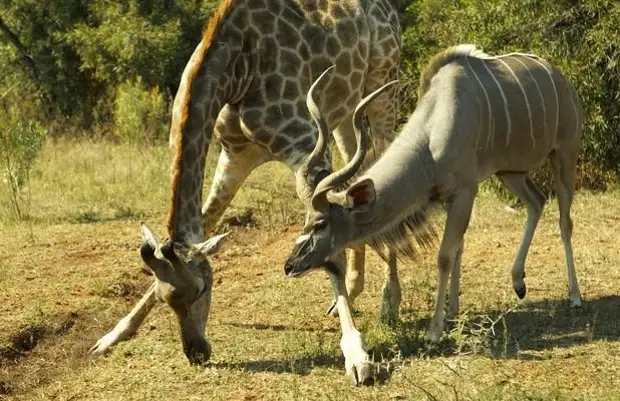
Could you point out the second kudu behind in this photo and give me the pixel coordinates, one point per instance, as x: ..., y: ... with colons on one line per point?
x: 477, y: 116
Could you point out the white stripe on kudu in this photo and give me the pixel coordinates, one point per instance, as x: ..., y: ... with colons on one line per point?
x: 572, y: 100
x: 514, y: 54
x: 555, y: 90
x: 508, y: 121
x: 542, y: 98
x: 527, y: 101
x: 486, y: 95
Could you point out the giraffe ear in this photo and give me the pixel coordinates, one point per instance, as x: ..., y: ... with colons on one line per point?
x: 210, y: 246
x: 149, y: 236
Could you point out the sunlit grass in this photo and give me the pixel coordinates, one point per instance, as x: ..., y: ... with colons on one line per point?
x: 72, y: 270
x: 84, y: 181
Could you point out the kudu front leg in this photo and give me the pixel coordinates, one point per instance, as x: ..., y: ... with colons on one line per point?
x: 357, y: 363
x: 356, y: 269
x: 391, y: 293
x: 127, y: 326
x: 455, y: 286
x: 459, y: 212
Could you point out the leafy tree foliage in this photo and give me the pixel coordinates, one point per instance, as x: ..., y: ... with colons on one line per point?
x: 74, y: 53
x: 580, y: 37
x: 67, y: 58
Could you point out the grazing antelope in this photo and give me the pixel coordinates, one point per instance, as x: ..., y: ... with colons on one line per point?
x: 477, y: 116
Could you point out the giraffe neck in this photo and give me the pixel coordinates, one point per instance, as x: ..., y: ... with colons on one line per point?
x: 205, y: 88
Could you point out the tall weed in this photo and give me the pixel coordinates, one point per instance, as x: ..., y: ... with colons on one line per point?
x: 20, y: 145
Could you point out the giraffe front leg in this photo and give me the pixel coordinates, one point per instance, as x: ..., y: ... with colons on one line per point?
x: 231, y: 172
x: 238, y: 158
x: 127, y: 326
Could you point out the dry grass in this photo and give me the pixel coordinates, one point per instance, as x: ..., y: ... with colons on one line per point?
x: 73, y: 270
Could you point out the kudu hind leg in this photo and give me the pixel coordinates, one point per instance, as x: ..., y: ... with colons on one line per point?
x: 564, y: 171
x: 459, y: 213
x: 530, y: 194
x: 127, y: 326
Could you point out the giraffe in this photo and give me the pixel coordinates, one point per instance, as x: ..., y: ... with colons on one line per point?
x: 271, y: 122
x: 246, y: 83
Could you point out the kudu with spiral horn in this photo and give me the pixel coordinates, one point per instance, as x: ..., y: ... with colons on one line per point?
x: 478, y: 116
x: 357, y: 363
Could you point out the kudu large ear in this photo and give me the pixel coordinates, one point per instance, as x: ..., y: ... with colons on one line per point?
x: 210, y: 246
x: 361, y: 196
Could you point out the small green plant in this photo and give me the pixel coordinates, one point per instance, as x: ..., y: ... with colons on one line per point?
x: 140, y: 114
x: 20, y: 144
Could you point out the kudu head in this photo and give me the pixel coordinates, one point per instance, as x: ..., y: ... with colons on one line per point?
x: 330, y: 221
x: 183, y: 281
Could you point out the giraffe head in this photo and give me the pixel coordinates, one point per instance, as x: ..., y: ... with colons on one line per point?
x: 183, y: 281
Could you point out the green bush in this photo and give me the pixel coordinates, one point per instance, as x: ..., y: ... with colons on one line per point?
x: 140, y: 114
x: 581, y: 38
x: 21, y: 142
x: 74, y: 55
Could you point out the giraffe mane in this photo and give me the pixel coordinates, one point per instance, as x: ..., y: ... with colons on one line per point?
x: 216, y: 20
x: 443, y: 58
x: 208, y: 36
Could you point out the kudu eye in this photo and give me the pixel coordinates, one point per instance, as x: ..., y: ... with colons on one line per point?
x: 319, y: 225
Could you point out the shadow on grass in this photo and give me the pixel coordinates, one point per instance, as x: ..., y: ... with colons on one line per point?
x: 552, y: 324
x: 277, y: 327
x: 534, y: 326
x: 301, y: 366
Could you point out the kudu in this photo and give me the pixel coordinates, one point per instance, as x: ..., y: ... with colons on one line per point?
x: 477, y: 116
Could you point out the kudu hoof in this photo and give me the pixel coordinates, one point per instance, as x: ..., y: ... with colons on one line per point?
x: 575, y: 303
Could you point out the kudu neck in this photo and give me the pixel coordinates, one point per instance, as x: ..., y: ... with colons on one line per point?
x: 404, y: 179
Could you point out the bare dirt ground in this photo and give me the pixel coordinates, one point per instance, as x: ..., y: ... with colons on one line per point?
x: 65, y: 281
